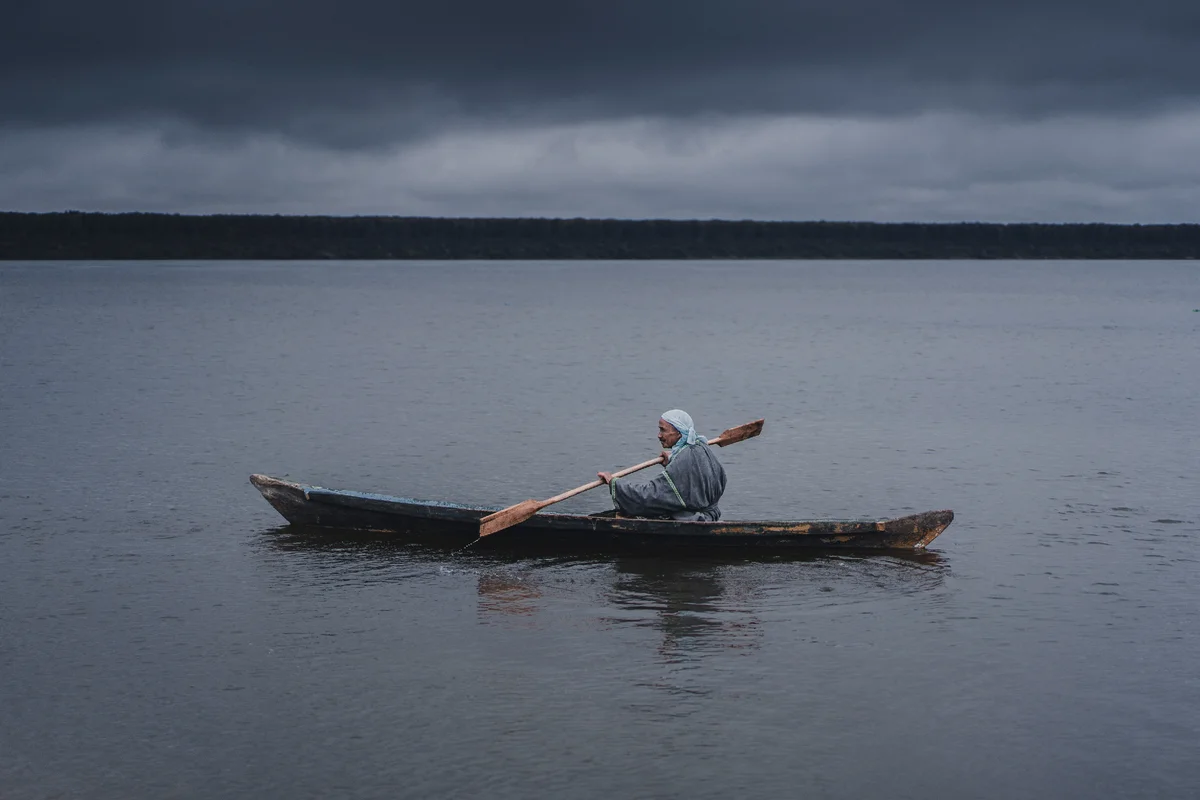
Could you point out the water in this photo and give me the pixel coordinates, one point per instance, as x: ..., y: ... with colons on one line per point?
x: 162, y: 635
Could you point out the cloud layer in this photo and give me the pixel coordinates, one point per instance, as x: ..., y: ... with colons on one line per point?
x: 864, y: 109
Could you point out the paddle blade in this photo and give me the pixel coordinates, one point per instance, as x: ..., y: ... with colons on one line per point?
x: 739, y: 434
x: 507, y: 517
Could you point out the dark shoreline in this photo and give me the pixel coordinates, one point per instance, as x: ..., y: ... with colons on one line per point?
x: 131, y: 236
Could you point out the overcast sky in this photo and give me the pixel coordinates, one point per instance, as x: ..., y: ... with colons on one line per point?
x: 925, y: 110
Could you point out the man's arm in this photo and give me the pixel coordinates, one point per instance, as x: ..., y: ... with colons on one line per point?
x: 607, y: 477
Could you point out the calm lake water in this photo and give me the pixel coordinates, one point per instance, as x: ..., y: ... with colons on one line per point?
x: 163, y: 635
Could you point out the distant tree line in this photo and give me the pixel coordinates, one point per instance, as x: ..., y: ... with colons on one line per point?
x: 78, y: 235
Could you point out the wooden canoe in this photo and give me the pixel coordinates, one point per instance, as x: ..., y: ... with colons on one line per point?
x: 452, y: 523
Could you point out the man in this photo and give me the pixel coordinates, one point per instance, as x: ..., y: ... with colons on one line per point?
x: 689, y: 486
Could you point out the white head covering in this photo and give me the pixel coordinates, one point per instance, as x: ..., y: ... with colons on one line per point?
x: 682, y: 422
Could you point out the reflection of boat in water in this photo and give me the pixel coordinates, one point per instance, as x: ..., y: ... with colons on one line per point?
x: 451, y: 523
x: 686, y: 602
x: 689, y: 604
x: 710, y: 604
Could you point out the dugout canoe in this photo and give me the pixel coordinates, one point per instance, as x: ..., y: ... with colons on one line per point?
x: 453, y: 523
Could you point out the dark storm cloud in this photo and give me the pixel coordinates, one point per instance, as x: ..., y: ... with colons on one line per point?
x: 1055, y: 110
x: 931, y: 167
x: 358, y: 72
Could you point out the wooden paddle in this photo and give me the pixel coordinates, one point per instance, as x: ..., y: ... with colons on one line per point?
x: 514, y: 515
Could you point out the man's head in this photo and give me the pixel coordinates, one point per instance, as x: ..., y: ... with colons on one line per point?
x: 668, y: 435
x: 675, y: 425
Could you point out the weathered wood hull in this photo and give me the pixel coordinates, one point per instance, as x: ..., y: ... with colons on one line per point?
x: 453, y: 524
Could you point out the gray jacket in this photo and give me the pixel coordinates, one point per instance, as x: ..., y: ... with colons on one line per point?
x: 688, y: 489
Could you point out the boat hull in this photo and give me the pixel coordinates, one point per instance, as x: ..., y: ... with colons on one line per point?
x: 454, y: 524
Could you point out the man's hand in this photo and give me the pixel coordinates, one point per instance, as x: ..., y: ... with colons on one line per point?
x: 666, y: 457
x: 605, y: 476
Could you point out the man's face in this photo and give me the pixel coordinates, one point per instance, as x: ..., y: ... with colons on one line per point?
x: 667, y: 435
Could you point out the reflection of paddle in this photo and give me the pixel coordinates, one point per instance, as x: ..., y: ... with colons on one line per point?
x: 514, y: 515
